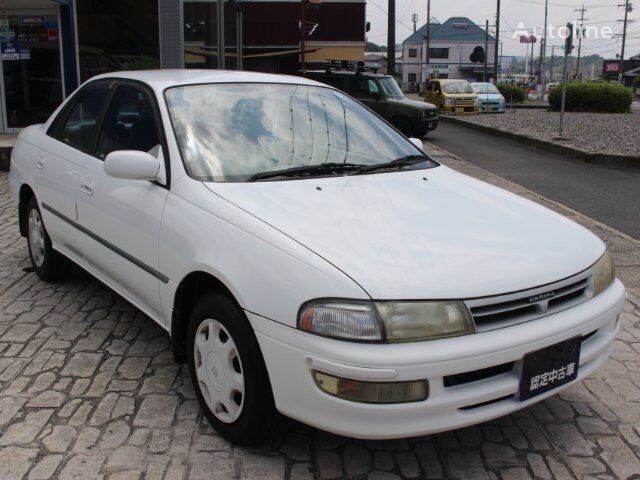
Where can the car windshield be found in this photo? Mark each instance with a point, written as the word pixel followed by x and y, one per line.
pixel 457 87
pixel 231 132
pixel 391 88
pixel 484 88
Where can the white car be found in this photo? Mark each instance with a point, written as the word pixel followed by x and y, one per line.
pixel 489 97
pixel 308 259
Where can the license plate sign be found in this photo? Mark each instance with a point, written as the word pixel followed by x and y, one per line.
pixel 546 369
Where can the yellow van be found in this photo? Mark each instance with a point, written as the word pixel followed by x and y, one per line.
pixel 451 96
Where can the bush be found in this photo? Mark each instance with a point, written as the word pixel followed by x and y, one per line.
pixel 636 82
pixel 511 92
pixel 592 97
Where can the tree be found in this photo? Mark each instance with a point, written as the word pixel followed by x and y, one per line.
pixel 374 47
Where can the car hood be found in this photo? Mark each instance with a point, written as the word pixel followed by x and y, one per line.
pixel 413 103
pixel 490 96
pixel 422 234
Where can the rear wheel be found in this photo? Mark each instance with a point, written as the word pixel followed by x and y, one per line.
pixel 228 371
pixel 48 264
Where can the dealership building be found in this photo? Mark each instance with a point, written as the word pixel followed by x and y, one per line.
pixel 49 47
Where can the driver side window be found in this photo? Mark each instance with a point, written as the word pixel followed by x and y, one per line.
pixel 129 124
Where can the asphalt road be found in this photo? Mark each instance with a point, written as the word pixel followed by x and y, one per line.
pixel 609 195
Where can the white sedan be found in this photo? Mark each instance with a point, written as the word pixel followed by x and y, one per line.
pixel 309 260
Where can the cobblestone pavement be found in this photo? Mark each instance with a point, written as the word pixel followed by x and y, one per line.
pixel 89 389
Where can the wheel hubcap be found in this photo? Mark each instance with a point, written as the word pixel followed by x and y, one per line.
pixel 36 237
pixel 219 370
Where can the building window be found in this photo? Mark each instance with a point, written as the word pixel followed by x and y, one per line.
pixel 201 37
pixel 438 53
pixel 412 77
pixel 413 52
pixel 117 35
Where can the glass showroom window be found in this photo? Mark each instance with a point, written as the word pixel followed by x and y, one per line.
pixel 117 35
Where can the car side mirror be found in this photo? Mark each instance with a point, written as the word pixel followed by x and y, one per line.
pixel 376 96
pixel 417 142
pixel 132 165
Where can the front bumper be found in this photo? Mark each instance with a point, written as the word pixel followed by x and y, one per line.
pixel 458 109
pixel 422 126
pixel 292 355
pixel 491 108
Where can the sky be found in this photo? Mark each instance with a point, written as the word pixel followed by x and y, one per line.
pixel 600 15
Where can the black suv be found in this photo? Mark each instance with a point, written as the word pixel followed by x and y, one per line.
pixel 382 95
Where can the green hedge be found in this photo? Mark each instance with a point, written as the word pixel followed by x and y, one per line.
pixel 511 92
pixel 636 82
pixel 592 97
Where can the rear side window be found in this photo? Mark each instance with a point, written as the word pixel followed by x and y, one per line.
pixel 129 124
pixel 79 125
pixel 334 81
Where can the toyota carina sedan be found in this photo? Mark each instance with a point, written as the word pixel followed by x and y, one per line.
pixel 309 260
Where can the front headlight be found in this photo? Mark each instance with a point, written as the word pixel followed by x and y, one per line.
pixel 385 321
pixel 604 273
pixel 345 319
pixel 415 321
pixel 448 100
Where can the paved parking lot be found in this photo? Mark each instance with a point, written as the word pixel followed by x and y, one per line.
pixel 88 389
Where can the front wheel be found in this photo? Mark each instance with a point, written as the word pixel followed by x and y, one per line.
pixel 228 371
pixel 48 264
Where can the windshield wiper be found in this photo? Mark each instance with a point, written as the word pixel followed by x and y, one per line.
pixel 397 163
pixel 319 169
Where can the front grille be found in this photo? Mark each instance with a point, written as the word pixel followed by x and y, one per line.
pixel 506 310
pixel 475 375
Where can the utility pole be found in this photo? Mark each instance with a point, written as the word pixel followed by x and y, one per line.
pixel 627 9
pixel 543 44
pixel 532 73
pixel 553 54
pixel 391 38
pixel 428 41
pixel 580 34
pixel 496 57
pixel 568 47
pixel 414 19
pixel 486 53
pixel 303 33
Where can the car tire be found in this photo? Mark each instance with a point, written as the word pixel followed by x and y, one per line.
pixel 229 373
pixel 403 125
pixel 48 264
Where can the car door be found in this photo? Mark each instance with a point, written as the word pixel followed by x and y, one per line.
pixel 428 94
pixel 59 158
pixel 122 217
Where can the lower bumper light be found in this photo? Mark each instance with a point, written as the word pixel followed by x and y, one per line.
pixel 372 392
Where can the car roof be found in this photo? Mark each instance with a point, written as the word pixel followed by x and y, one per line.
pixel 162 79
pixel 346 72
pixel 452 80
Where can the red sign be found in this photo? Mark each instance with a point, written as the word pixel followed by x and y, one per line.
pixel 612 66
pixel 52 35
pixel 528 39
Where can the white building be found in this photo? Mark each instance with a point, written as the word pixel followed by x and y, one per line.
pixel 456 50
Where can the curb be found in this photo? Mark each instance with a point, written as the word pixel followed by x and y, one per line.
pixel 611 160
pixel 524 106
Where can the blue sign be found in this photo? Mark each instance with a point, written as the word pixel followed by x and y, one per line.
pixel 50 24
pixel 25 54
pixel 10 51
pixel 7 35
pixel 32 20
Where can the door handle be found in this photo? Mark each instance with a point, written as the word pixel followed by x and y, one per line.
pixel 40 162
pixel 86 186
